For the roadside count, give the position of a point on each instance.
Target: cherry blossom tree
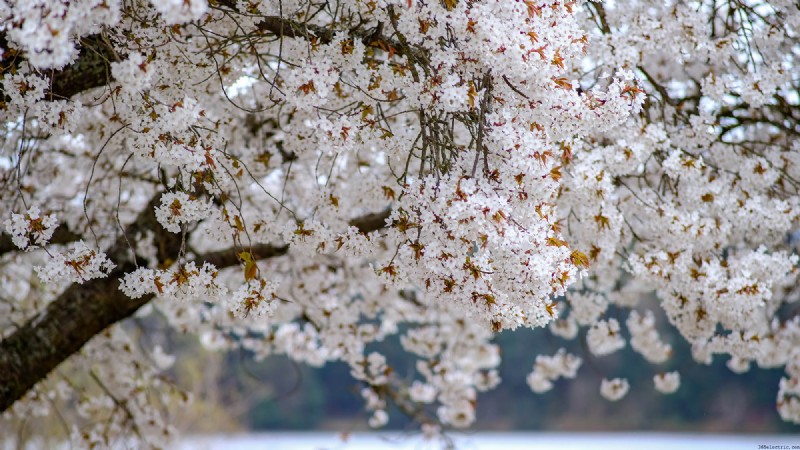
(307, 177)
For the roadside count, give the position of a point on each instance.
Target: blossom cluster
(615, 389)
(668, 382)
(605, 337)
(548, 369)
(645, 339)
(31, 229)
(184, 283)
(179, 208)
(79, 264)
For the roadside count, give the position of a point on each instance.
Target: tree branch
(80, 312)
(85, 310)
(228, 257)
(90, 70)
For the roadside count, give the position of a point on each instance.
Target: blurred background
(234, 393)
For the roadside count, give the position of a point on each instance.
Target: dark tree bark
(89, 71)
(80, 312)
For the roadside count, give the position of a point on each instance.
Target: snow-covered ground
(487, 441)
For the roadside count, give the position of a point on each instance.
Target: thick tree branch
(85, 310)
(79, 313)
(90, 70)
(228, 257)
(371, 222)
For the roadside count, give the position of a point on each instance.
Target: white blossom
(548, 369)
(78, 265)
(379, 419)
(138, 283)
(178, 208)
(564, 328)
(789, 399)
(459, 415)
(668, 382)
(31, 229)
(738, 365)
(133, 72)
(163, 361)
(180, 11)
(254, 297)
(604, 337)
(613, 390)
(421, 392)
(645, 339)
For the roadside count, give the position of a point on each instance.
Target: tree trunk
(79, 313)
